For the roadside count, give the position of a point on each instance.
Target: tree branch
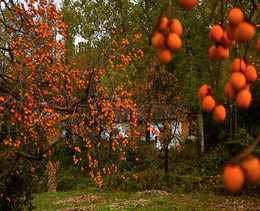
(7, 171)
(39, 157)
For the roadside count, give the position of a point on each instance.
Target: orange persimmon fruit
(187, 4)
(173, 42)
(245, 32)
(229, 92)
(216, 33)
(258, 45)
(238, 65)
(250, 74)
(235, 17)
(226, 41)
(251, 167)
(162, 24)
(222, 52)
(231, 32)
(237, 81)
(157, 40)
(165, 56)
(208, 104)
(233, 177)
(204, 91)
(243, 99)
(175, 27)
(219, 113)
(212, 54)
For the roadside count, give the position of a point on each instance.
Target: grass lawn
(146, 200)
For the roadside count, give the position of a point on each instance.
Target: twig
(247, 151)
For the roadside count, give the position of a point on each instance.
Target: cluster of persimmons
(209, 105)
(235, 175)
(237, 89)
(167, 38)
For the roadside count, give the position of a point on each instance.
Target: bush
(16, 192)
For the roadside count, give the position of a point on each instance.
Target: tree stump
(52, 172)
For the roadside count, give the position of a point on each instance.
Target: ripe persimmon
(187, 4)
(216, 33)
(208, 104)
(175, 27)
(258, 45)
(219, 113)
(251, 167)
(238, 65)
(162, 24)
(226, 41)
(173, 42)
(222, 52)
(237, 81)
(243, 99)
(245, 32)
(212, 54)
(229, 92)
(250, 74)
(231, 32)
(165, 56)
(233, 178)
(204, 91)
(235, 17)
(158, 40)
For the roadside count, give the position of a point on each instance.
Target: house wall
(153, 137)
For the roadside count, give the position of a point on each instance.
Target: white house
(122, 129)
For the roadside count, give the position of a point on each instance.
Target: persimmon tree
(40, 90)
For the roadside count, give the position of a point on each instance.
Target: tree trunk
(166, 167)
(233, 113)
(148, 92)
(200, 132)
(233, 125)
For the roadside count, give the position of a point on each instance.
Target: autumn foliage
(46, 100)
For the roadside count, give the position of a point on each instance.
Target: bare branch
(7, 171)
(247, 151)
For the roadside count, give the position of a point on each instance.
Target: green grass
(133, 201)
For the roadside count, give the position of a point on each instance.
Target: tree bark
(233, 114)
(200, 132)
(166, 166)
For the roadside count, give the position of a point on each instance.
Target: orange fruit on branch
(158, 40)
(162, 24)
(219, 113)
(212, 54)
(231, 32)
(173, 42)
(229, 92)
(243, 99)
(226, 41)
(208, 104)
(222, 52)
(251, 167)
(216, 33)
(233, 178)
(250, 74)
(245, 32)
(165, 56)
(187, 4)
(258, 45)
(237, 81)
(204, 91)
(175, 27)
(235, 17)
(238, 65)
